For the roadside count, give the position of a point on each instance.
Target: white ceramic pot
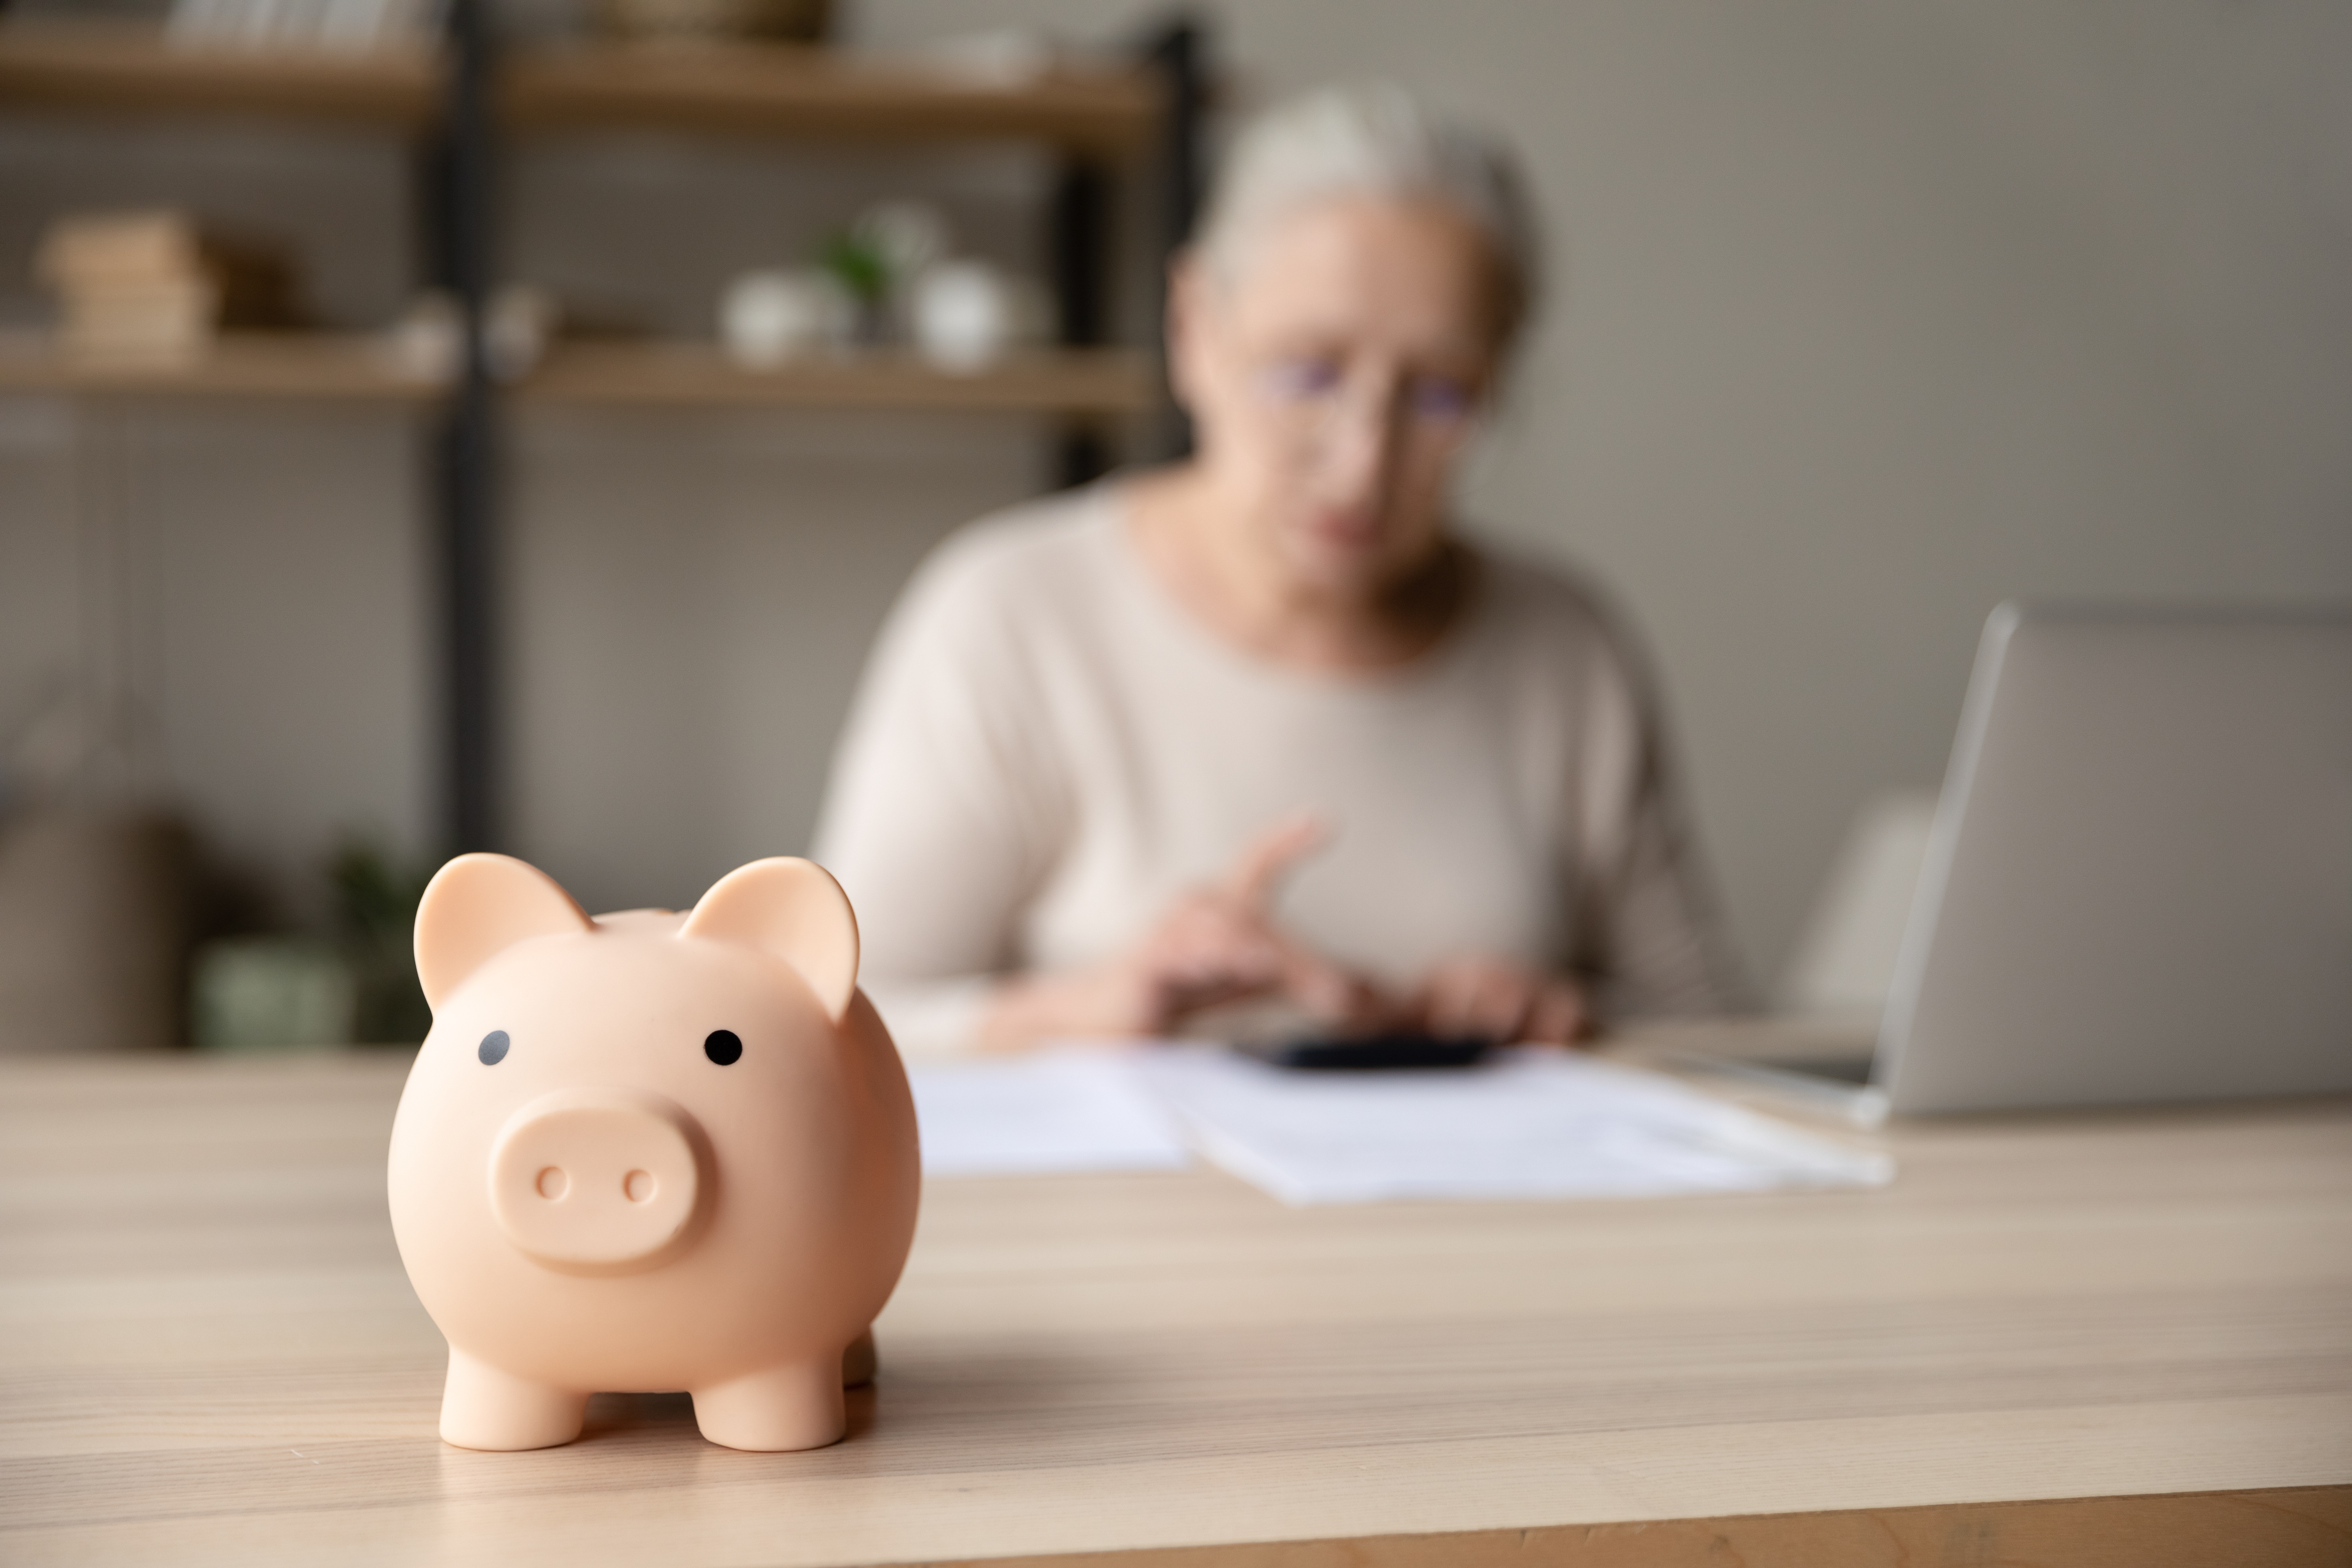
(967, 315)
(769, 317)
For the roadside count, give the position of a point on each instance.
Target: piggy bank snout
(596, 1178)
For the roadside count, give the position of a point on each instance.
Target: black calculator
(1388, 1051)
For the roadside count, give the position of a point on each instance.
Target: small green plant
(859, 264)
(375, 912)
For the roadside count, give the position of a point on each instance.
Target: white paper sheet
(1064, 1109)
(1531, 1124)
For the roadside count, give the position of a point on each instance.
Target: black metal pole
(1081, 247)
(1179, 51)
(466, 476)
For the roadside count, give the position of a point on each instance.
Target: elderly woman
(1264, 727)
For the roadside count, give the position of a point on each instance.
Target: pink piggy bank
(650, 1151)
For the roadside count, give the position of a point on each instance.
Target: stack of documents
(1076, 1109)
(1530, 1124)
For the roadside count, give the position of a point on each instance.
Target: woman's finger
(1495, 1000)
(1257, 873)
(1319, 985)
(1330, 992)
(1203, 951)
(1444, 1003)
(1498, 999)
(1470, 996)
(1558, 1018)
(1501, 1003)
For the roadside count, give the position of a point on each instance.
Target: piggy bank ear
(794, 910)
(477, 907)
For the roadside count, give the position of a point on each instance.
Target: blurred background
(1860, 318)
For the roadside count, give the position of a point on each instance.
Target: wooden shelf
(119, 70)
(699, 375)
(247, 365)
(620, 375)
(749, 89)
(820, 92)
(1100, 115)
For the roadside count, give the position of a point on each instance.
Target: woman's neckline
(1114, 497)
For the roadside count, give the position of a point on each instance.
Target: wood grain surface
(319, 367)
(787, 89)
(2081, 1340)
(114, 68)
(302, 367)
(701, 375)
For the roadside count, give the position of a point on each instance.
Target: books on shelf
(156, 285)
(338, 26)
(170, 319)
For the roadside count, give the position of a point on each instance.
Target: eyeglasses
(1320, 397)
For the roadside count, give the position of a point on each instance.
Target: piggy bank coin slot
(493, 1048)
(724, 1047)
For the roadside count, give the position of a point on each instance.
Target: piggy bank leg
(860, 1363)
(483, 1407)
(779, 1409)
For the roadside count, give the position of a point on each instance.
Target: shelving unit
(117, 69)
(1099, 382)
(784, 90)
(310, 366)
(459, 100)
(357, 368)
(753, 89)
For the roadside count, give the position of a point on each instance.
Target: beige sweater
(1048, 748)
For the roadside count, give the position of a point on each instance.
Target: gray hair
(1373, 139)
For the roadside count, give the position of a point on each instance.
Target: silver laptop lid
(2140, 884)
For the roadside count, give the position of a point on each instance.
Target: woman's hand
(1500, 999)
(1217, 943)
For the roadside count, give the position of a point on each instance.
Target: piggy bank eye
(493, 1049)
(723, 1046)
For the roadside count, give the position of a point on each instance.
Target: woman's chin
(1342, 567)
(1337, 576)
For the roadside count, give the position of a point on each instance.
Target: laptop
(2137, 888)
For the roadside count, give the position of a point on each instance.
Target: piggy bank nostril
(595, 1178)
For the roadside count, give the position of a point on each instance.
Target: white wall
(692, 602)
(265, 562)
(1866, 316)
(689, 596)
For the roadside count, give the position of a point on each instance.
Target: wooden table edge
(2283, 1527)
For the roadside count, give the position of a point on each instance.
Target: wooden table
(2090, 1340)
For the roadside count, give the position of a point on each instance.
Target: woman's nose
(1361, 441)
